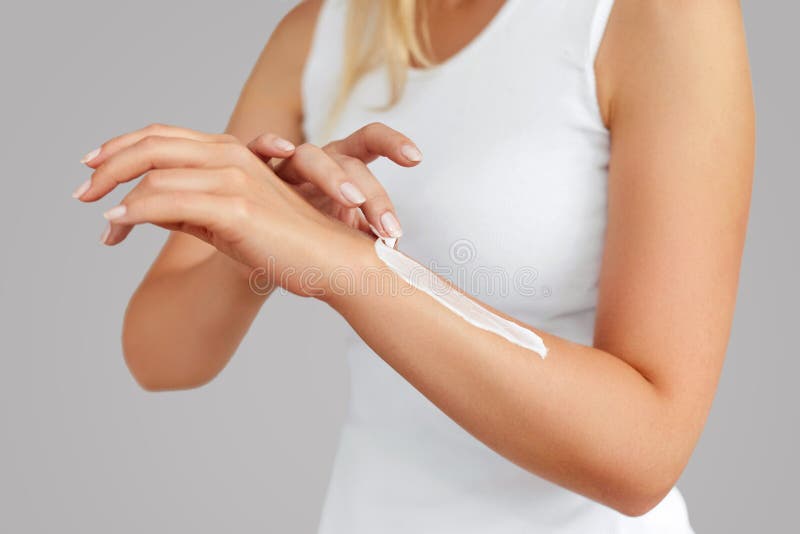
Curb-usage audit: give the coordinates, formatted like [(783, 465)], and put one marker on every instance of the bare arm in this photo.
[(616, 421), (194, 306)]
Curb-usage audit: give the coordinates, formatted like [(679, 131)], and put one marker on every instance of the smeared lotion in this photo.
[(427, 281)]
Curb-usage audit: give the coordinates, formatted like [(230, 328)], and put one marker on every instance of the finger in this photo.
[(161, 152), (224, 181), (115, 233), (367, 144), (312, 164), (267, 146), (214, 212), (97, 156), (375, 140), (363, 225), (377, 207)]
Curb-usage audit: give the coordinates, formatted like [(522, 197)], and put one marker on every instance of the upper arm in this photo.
[(271, 97), (270, 101), (674, 84)]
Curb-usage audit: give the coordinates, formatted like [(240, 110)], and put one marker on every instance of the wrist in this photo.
[(239, 276), (353, 266)]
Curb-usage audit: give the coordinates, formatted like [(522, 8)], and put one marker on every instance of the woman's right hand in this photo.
[(334, 177)]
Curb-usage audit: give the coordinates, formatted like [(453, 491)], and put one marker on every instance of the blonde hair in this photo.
[(383, 33)]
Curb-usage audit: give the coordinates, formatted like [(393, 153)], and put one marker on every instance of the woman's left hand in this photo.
[(213, 187), (334, 190)]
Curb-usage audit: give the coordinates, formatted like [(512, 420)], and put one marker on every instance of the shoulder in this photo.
[(651, 42), (273, 91), (304, 14), (287, 49), (299, 23)]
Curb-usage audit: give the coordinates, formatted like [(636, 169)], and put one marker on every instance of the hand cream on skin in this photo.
[(427, 281)]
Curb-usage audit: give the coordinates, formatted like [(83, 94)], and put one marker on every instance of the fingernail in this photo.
[(352, 193), (106, 232), (84, 187), (283, 144), (115, 213), (411, 153), (90, 156), (390, 224)]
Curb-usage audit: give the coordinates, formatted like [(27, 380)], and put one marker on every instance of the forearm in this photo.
[(182, 326), (581, 418)]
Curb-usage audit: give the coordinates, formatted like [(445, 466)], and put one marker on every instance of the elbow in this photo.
[(639, 503), (154, 379), (642, 492), (154, 371), (155, 383)]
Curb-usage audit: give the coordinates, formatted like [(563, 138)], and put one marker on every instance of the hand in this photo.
[(216, 189), (335, 176)]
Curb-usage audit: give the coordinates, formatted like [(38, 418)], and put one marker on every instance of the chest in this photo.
[(449, 29)]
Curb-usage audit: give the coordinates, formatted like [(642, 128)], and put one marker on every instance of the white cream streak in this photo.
[(475, 314)]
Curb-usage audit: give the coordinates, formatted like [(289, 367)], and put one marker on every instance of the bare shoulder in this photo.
[(272, 94), (301, 18), (292, 37), (649, 42)]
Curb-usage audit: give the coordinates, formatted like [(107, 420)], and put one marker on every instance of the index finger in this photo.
[(375, 140), (97, 156)]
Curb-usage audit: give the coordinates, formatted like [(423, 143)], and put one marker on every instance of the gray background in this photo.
[(83, 449)]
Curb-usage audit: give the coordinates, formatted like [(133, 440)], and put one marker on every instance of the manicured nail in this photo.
[(352, 193), (84, 187), (115, 213), (411, 153), (390, 224), (106, 232), (90, 156), (283, 144)]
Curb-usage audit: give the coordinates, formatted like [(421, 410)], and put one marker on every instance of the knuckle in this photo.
[(333, 148), (349, 163), (235, 175), (374, 127), (240, 209), (305, 150), (237, 151), (149, 142), (155, 127), (153, 179)]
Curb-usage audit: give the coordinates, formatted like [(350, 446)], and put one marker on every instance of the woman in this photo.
[(603, 148)]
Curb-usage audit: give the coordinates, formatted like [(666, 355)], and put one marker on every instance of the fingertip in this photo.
[(82, 189), (272, 146), (105, 235), (284, 145), (91, 156), (391, 225), (375, 231), (116, 212), (352, 194), (411, 153)]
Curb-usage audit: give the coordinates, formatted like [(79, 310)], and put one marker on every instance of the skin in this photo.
[(616, 421)]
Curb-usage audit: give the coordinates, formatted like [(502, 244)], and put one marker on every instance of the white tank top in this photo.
[(510, 203)]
